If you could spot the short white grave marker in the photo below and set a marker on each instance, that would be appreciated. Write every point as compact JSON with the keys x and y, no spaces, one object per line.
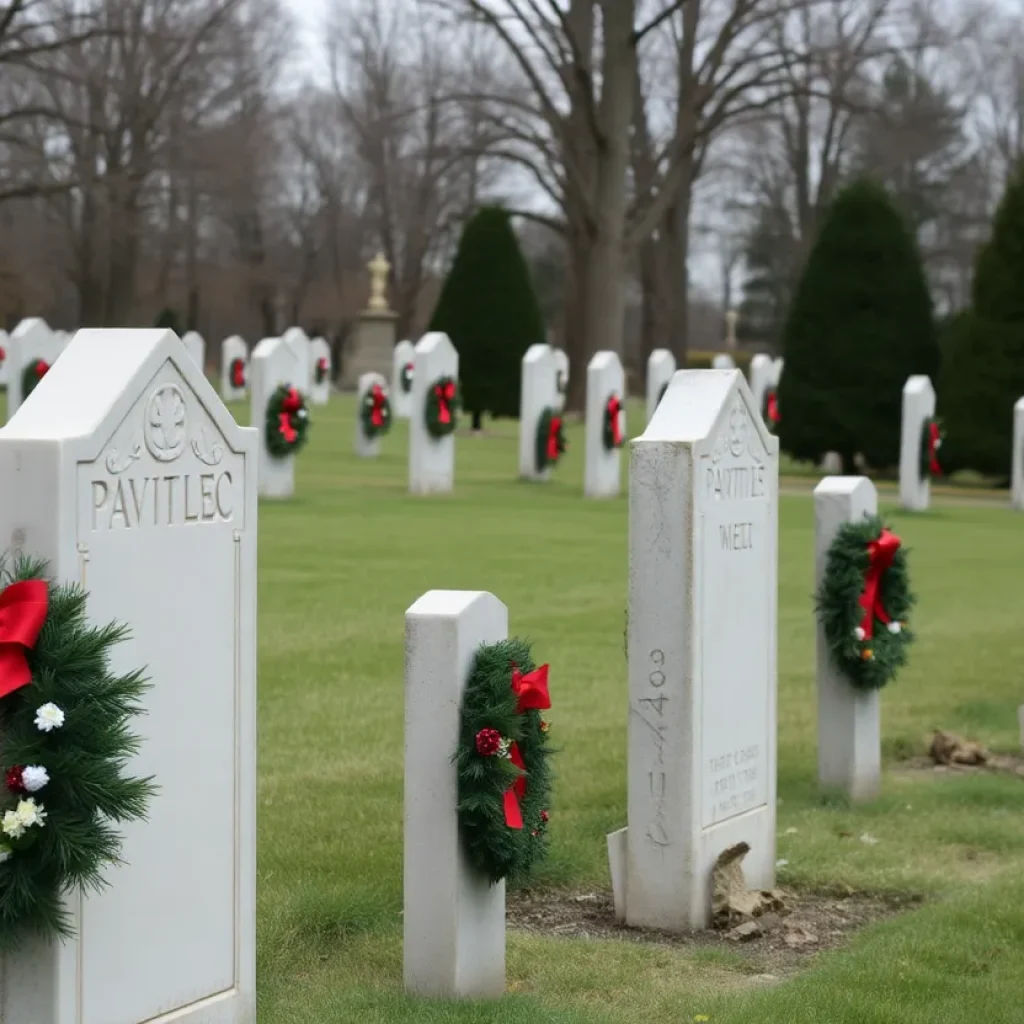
{"x":196,"y":348}
{"x":320,"y":385}
{"x":368,"y":447}
{"x":661,"y":365}
{"x":703,"y":544}
{"x":403,"y":363}
{"x":432,"y":459}
{"x":723,"y":361}
{"x":273,"y":363}
{"x":605,"y":425}
{"x":143,"y":490}
{"x":298,"y":341}
{"x":454,"y":919}
{"x":538,"y":394}
{"x":1017,"y":467}
{"x":234,"y":369}
{"x":918,"y":406}
{"x":30,"y":354}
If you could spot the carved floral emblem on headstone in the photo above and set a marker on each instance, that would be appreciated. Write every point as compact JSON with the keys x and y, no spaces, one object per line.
{"x":165,"y":424}
{"x":737,"y":429}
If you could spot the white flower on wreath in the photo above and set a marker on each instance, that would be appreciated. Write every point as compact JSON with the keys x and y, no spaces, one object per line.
{"x":894,"y":628}
{"x":505,"y":748}
{"x":30,"y":813}
{"x":12,"y":825}
{"x":49,"y":717}
{"x":34,"y":777}
{"x":859,"y":633}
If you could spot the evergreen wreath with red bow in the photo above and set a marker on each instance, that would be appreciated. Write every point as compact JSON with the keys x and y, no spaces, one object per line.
{"x":864,"y":601}
{"x":504,"y":777}
{"x":287,"y":422}
{"x":550,"y":441}
{"x":322,"y":369}
{"x":931,"y":442}
{"x":375,"y":412}
{"x":441,"y":413}
{"x":238,"y":373}
{"x":32,"y":375}
{"x":611,"y":433}
{"x":405,"y":378}
{"x":64,"y":723}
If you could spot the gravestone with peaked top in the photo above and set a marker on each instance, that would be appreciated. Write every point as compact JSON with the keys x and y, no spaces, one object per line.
{"x":918,"y":407}
{"x":402,"y":366}
{"x":273,"y":363}
{"x":703,"y":545}
{"x":30,"y":354}
{"x":142,"y":490}
{"x":195,"y":345}
{"x":320,"y":385}
{"x":234,"y":369}
{"x":661,"y":364}
{"x":723,"y":361}
{"x":298,"y":341}
{"x":538,"y":394}
{"x":605,"y":425}
{"x":431,"y":459}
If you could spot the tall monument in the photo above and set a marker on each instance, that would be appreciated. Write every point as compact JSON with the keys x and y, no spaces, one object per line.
{"x":370,"y":350}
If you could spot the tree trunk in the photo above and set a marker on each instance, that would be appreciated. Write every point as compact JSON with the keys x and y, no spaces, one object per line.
{"x":478,"y":422}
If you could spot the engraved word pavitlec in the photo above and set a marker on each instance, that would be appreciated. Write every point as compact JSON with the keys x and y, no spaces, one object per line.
{"x":174,"y":499}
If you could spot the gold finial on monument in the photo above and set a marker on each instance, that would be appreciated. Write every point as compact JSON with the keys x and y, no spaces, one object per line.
{"x":379,"y":269}
{"x":731,"y":319}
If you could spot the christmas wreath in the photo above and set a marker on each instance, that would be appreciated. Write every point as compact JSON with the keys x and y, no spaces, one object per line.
{"x":550,"y":442}
{"x":863,"y":603}
{"x":375,"y":412}
{"x":771,"y":409}
{"x":405,"y":378}
{"x":64,"y":719}
{"x":504,"y":780}
{"x":287,"y":422}
{"x":238,"y":373}
{"x":322,"y":368}
{"x":441,"y":415}
{"x":931,"y":442}
{"x":32,"y":375}
{"x":612,"y":432}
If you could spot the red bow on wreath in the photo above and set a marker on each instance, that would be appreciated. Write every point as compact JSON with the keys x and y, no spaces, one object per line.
{"x":23,"y":608}
{"x":614,"y":407}
{"x":238,"y":374}
{"x":773,"y":407}
{"x":532,"y":693}
{"x":3,"y":354}
{"x":41,"y":368}
{"x":881,"y":552}
{"x":379,"y":402}
{"x":445,"y":395}
{"x":934,"y":437}
{"x":292,"y":404}
{"x":554,"y":430}
{"x":321,"y":364}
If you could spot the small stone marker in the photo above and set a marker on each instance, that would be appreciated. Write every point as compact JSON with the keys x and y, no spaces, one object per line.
{"x":320,"y":356}
{"x":849,"y":722}
{"x":454,"y":919}
{"x":723,"y":361}
{"x":604,"y":380}
{"x":538,"y":392}
{"x":367,"y":447}
{"x":298,"y":341}
{"x":1017,"y":469}
{"x":918,"y":406}
{"x":196,"y":348}
{"x":231,"y":349}
{"x":703,"y":548}
{"x":431,"y":459}
{"x":661,"y":365}
{"x":273,"y":363}
{"x":143,"y":490}
{"x":762,"y":378}
{"x":401,"y":400}
{"x":561,"y":375}
{"x":29,"y":342}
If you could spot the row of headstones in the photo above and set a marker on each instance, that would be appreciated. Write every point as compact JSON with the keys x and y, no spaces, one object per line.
{"x":31,"y":346}
{"x":312,"y":365}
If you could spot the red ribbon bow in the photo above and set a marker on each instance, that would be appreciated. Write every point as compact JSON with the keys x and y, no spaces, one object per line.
{"x":445,"y":395}
{"x":532,"y":693}
{"x":554,"y":428}
{"x":881,"y":552}
{"x":934,"y":436}
{"x":773,"y":407}
{"x":379,"y":400}
{"x":321,"y":364}
{"x":23,"y":608}
{"x":3,"y":353}
{"x":238,"y":373}
{"x":41,"y":368}
{"x":614,"y":408}
{"x":292,"y":404}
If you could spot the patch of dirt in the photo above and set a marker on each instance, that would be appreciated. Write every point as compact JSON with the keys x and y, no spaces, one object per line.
{"x":999,"y":764}
{"x":780,"y":945}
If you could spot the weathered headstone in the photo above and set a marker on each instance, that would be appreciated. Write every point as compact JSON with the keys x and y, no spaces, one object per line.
{"x":367,"y":447}
{"x":561,"y":375}
{"x":320,"y":360}
{"x":273,"y":363}
{"x":1017,"y":467}
{"x":538,"y":392}
{"x":661,"y":365}
{"x":762,"y":373}
{"x":402,"y":365}
{"x":29,"y":343}
{"x":849,"y":723}
{"x":431,"y":459}
{"x":605,"y":381}
{"x":454,"y":919}
{"x":196,"y":348}
{"x":918,"y":406}
{"x":143,"y":490}
{"x":234,"y":377}
{"x":298,"y":341}
{"x":723,"y":361}
{"x":703,"y":548}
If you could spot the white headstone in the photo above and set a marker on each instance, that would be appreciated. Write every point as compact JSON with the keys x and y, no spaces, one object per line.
{"x":454,"y":919}
{"x":1017,"y":467}
{"x":661,"y":364}
{"x":29,"y":342}
{"x":849,"y":724}
{"x":703,"y":548}
{"x":762,"y":374}
{"x":605,"y":379}
{"x":231,"y":349}
{"x":367,"y":447}
{"x":401,"y":400}
{"x":431,"y":459}
{"x":273,"y":363}
{"x":723,"y":361}
{"x":561,"y":375}
{"x":538,"y":392}
{"x":320,"y":356}
{"x":143,"y":491}
{"x":196,"y":348}
{"x":918,"y":406}
{"x":4,"y":358}
{"x":298,"y":341}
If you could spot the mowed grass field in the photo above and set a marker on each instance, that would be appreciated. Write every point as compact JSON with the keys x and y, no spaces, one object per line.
{"x":338,"y":566}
